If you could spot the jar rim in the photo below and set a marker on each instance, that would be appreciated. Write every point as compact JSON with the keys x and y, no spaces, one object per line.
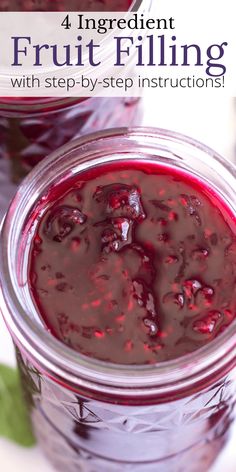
{"x":51,"y":355}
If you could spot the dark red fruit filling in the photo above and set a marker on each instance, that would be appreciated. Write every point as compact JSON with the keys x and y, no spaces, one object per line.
{"x":134,"y":263}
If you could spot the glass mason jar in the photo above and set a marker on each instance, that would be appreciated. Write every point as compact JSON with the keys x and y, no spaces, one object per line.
{"x":32,"y":128}
{"x":93,"y":416}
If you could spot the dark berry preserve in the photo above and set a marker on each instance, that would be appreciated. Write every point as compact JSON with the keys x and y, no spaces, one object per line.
{"x":118,"y":287}
{"x":134,"y":263}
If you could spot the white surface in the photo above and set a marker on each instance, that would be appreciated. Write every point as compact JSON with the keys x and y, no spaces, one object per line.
{"x":210,"y":121}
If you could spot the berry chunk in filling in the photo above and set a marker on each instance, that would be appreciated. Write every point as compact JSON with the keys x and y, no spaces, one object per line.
{"x":134,"y":263}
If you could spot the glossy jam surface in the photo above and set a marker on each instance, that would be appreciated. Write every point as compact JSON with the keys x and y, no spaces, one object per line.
{"x":134,"y":263}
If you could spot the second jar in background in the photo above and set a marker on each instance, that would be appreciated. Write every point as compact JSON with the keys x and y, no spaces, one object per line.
{"x":32,"y":128}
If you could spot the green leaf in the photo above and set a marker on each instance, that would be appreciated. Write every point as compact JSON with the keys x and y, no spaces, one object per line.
{"x":14,"y":420}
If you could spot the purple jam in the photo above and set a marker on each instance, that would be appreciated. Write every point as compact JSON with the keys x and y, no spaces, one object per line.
{"x":134,"y":263}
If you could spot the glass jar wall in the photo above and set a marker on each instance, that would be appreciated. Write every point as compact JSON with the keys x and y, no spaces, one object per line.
{"x":32,"y":128}
{"x":94,"y":416}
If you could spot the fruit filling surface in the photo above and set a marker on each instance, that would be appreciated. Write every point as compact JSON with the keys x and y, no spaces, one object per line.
{"x":134,"y":263}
